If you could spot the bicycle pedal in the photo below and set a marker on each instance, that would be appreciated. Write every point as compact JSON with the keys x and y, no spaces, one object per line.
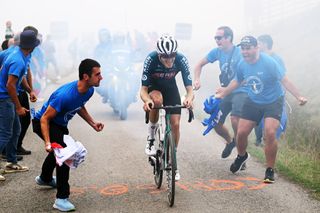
{"x":152,"y":161}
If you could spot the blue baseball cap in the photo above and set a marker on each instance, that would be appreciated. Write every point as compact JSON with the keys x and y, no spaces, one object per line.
{"x":28,"y":39}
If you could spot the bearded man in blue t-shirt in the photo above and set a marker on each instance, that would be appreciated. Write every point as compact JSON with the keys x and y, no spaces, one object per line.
{"x":50,"y":123}
{"x":264,"y":80}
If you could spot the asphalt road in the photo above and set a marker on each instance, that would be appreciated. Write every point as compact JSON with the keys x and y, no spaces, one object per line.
{"x":116,"y":176}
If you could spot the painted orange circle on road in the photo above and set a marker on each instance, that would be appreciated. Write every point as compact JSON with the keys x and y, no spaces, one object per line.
{"x":116,"y":189}
{"x":229,"y":185}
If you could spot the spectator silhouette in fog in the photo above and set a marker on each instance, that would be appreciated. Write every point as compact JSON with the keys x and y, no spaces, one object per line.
{"x":9,"y":32}
{"x":73,"y":50}
{"x":51,"y":121}
{"x":49,"y":50}
{"x":5,"y":45}
{"x":103,"y":49}
{"x":151,"y":40}
{"x":265,"y":45}
{"x":264,"y":79}
{"x":139,"y":46}
{"x":228,"y":56}
{"x":38,"y":68}
{"x":102,"y":53}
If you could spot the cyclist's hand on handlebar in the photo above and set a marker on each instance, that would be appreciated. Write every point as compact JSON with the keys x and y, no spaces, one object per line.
{"x":188,"y":102}
{"x":148,"y":105}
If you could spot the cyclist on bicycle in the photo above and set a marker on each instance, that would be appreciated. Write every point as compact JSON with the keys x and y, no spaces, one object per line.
{"x":159,"y":87}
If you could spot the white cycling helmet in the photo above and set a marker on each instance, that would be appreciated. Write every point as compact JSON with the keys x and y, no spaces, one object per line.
{"x":167,"y":45}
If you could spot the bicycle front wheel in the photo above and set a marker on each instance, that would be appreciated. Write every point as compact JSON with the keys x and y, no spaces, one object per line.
{"x":158,"y":172}
{"x":171,"y":166}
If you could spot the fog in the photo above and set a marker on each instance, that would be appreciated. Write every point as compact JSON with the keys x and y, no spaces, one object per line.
{"x":87,"y":16}
{"x":292,"y":24}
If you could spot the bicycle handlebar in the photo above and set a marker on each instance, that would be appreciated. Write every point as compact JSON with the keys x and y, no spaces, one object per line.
{"x":191,"y":115}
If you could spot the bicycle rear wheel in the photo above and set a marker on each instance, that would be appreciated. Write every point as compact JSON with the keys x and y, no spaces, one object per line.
{"x":171,"y":166}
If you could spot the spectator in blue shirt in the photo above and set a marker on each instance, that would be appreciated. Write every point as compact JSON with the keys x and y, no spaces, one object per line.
{"x":228,"y":55}
{"x":264,"y":79}
{"x":265,"y":45}
{"x":50,"y":123}
{"x":12,"y":72}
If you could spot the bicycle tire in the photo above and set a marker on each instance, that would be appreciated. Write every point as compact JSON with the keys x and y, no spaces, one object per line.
{"x":158,"y":172}
{"x":171,"y":166}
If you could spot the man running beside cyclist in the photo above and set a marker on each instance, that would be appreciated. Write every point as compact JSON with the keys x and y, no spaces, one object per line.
{"x":228,"y":56}
{"x":159,"y":87}
{"x":265,"y":80}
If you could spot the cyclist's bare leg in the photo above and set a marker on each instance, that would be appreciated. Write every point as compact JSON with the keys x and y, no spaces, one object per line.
{"x":244,"y":129}
{"x":271,"y":146}
{"x":157,"y":99}
{"x":223,"y":132}
{"x":175,"y":127}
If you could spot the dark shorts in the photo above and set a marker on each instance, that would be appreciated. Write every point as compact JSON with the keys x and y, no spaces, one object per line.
{"x":232,"y":103}
{"x":171,"y":97}
{"x":255,"y":112}
{"x":56,"y":132}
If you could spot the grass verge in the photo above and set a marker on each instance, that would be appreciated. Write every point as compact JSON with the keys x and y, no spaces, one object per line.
{"x":299,"y":167}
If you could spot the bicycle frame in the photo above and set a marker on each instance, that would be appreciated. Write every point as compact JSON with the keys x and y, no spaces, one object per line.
{"x":164,"y":129}
{"x":165,"y":144}
{"x":165,"y":158}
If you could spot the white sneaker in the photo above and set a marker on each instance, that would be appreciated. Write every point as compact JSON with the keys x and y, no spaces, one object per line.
{"x":150,"y":149}
{"x":2,"y":178}
{"x":177,"y":177}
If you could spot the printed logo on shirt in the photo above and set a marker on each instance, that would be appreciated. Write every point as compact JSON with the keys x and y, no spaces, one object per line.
{"x":255,"y":84}
{"x":70,"y":114}
{"x":147,"y":64}
{"x":165,"y":75}
{"x":144,"y":77}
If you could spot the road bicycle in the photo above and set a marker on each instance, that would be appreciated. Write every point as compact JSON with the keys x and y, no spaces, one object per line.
{"x":165,"y":157}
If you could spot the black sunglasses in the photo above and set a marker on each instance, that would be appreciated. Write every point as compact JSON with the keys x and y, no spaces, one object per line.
{"x":172,"y":55}
{"x":218,"y":38}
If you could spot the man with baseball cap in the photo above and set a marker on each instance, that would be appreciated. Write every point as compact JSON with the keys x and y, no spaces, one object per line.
{"x":264,"y":79}
{"x":12,"y":72}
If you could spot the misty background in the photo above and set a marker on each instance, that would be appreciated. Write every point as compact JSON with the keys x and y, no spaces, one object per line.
{"x":292,"y":24}
{"x":74,"y":27}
